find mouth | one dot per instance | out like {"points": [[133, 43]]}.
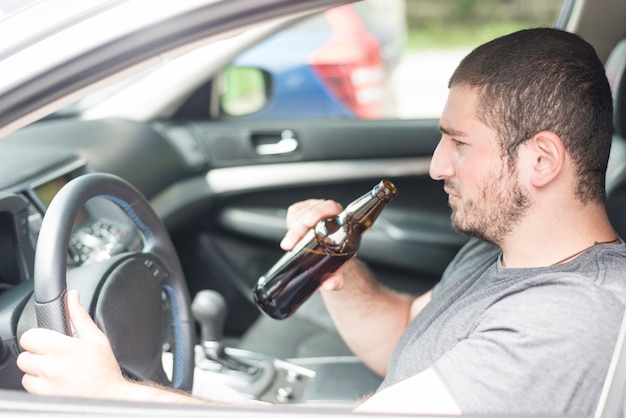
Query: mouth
{"points": [[452, 194]]}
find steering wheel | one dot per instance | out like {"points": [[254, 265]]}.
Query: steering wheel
{"points": [[130, 296]]}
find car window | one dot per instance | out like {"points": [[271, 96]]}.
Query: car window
{"points": [[377, 59]]}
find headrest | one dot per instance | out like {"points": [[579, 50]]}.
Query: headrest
{"points": [[615, 71]]}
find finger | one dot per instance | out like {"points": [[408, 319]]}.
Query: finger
{"points": [[303, 216], [298, 209], [296, 229], [309, 212], [27, 363], [80, 318], [37, 365], [332, 283], [42, 341], [33, 384], [292, 237]]}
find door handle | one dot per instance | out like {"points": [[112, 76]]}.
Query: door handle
{"points": [[286, 144]]}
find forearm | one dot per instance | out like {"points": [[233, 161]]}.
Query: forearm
{"points": [[151, 392], [370, 317]]}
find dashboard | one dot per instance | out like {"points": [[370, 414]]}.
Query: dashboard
{"points": [[39, 160], [100, 230]]}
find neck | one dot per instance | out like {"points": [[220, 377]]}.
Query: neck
{"points": [[542, 241]]}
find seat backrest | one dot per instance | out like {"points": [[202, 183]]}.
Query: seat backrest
{"points": [[616, 73], [616, 172], [611, 404]]}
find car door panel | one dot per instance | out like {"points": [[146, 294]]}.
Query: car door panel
{"points": [[415, 241], [229, 144]]}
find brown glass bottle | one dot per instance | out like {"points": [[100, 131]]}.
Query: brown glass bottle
{"points": [[333, 241]]}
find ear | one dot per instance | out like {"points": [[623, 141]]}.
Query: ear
{"points": [[547, 154]]}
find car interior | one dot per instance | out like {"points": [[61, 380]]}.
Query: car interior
{"points": [[193, 210], [223, 204]]}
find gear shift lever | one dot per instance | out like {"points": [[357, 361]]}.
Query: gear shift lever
{"points": [[209, 309]]}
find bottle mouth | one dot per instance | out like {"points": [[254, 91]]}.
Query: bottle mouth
{"points": [[385, 189]]}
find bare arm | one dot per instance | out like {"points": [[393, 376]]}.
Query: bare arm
{"points": [[369, 316]]}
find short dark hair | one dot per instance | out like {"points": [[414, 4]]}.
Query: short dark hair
{"points": [[545, 79]]}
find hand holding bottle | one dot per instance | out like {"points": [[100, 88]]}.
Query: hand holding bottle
{"points": [[301, 218], [326, 237]]}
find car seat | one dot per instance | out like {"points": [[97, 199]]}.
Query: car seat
{"points": [[611, 404], [309, 332], [616, 172]]}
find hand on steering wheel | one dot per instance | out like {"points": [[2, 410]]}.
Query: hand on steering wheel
{"points": [[55, 364]]}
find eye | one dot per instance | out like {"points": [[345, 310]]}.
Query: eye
{"points": [[457, 143]]}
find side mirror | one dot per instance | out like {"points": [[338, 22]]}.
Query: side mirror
{"points": [[244, 90]]}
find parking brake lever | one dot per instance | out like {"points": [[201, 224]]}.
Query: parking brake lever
{"points": [[209, 309]]}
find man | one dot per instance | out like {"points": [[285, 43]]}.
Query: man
{"points": [[525, 318]]}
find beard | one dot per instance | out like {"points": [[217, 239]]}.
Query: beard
{"points": [[500, 206]]}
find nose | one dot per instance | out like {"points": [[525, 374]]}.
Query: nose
{"points": [[441, 166]]}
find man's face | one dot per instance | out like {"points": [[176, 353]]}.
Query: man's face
{"points": [[484, 194]]}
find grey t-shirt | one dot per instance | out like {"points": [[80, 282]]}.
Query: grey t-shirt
{"points": [[507, 340]]}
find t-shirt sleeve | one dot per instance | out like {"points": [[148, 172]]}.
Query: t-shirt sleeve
{"points": [[530, 343]]}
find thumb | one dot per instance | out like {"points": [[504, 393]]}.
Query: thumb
{"points": [[81, 320], [333, 282]]}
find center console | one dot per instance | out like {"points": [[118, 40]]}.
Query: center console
{"points": [[331, 381], [233, 375]]}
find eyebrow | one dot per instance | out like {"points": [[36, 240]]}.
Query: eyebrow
{"points": [[451, 131]]}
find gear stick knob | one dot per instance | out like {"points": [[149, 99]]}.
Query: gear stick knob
{"points": [[209, 309]]}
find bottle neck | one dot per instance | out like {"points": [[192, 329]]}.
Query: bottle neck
{"points": [[342, 233], [366, 209]]}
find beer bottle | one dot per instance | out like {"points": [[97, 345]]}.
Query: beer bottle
{"points": [[332, 242]]}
